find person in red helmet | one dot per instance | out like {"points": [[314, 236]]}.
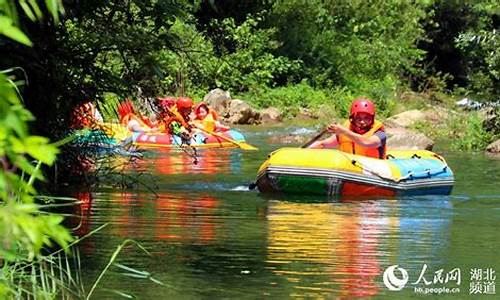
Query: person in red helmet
{"points": [[176, 118], [362, 134]]}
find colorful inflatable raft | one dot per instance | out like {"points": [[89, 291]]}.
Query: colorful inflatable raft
{"points": [[199, 140], [335, 173], [227, 139]]}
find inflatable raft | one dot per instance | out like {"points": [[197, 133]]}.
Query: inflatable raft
{"points": [[230, 139], [335, 173], [199, 140]]}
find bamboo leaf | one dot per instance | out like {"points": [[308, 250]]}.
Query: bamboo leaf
{"points": [[27, 10], [36, 9], [123, 294], [8, 29]]}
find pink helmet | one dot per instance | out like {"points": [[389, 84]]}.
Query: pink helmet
{"points": [[362, 105]]}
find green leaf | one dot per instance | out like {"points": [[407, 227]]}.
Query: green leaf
{"points": [[36, 9], [27, 10], [7, 91], [17, 146], [8, 29], [55, 7], [37, 147], [27, 167]]}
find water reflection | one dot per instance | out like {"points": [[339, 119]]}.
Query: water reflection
{"points": [[343, 248], [172, 217], [185, 221], [338, 243], [176, 161], [83, 210]]}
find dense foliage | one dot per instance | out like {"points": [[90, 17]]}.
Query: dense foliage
{"points": [[116, 49], [24, 227], [287, 53]]}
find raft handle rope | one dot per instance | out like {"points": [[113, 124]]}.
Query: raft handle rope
{"points": [[427, 173]]}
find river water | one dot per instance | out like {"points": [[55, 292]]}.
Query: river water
{"points": [[210, 237]]}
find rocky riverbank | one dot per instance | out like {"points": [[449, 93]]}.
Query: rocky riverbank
{"points": [[409, 129]]}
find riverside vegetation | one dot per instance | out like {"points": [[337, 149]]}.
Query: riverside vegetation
{"points": [[288, 54]]}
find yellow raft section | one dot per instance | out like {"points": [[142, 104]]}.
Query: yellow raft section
{"points": [[115, 130], [337, 160], [120, 133]]}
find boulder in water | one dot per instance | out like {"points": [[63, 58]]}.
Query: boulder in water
{"points": [[401, 138], [218, 100], [271, 115], [494, 148], [240, 112]]}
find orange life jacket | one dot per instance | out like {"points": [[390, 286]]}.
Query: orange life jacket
{"points": [[349, 146], [208, 123], [172, 115]]}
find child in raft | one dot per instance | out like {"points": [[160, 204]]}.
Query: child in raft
{"points": [[206, 119]]}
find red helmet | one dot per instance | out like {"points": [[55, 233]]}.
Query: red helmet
{"points": [[166, 102], [184, 102], [362, 105], [125, 107]]}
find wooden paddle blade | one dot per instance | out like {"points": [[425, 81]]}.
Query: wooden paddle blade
{"points": [[246, 146], [242, 145]]}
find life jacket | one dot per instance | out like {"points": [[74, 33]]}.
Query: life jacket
{"points": [[208, 123], [349, 146], [172, 115]]}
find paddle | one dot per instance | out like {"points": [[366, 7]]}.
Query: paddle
{"points": [[314, 139], [242, 145]]}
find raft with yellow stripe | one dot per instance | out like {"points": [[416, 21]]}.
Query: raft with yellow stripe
{"points": [[335, 173], [198, 140], [229, 139]]}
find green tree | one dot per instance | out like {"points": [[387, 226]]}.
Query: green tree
{"points": [[480, 47], [24, 228], [342, 42]]}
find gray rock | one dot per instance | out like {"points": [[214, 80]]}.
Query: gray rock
{"points": [[306, 114], [401, 138], [494, 147], [240, 112], [218, 100], [271, 115], [406, 119]]}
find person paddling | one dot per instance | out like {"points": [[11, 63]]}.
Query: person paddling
{"points": [[362, 134], [175, 116], [133, 121]]}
